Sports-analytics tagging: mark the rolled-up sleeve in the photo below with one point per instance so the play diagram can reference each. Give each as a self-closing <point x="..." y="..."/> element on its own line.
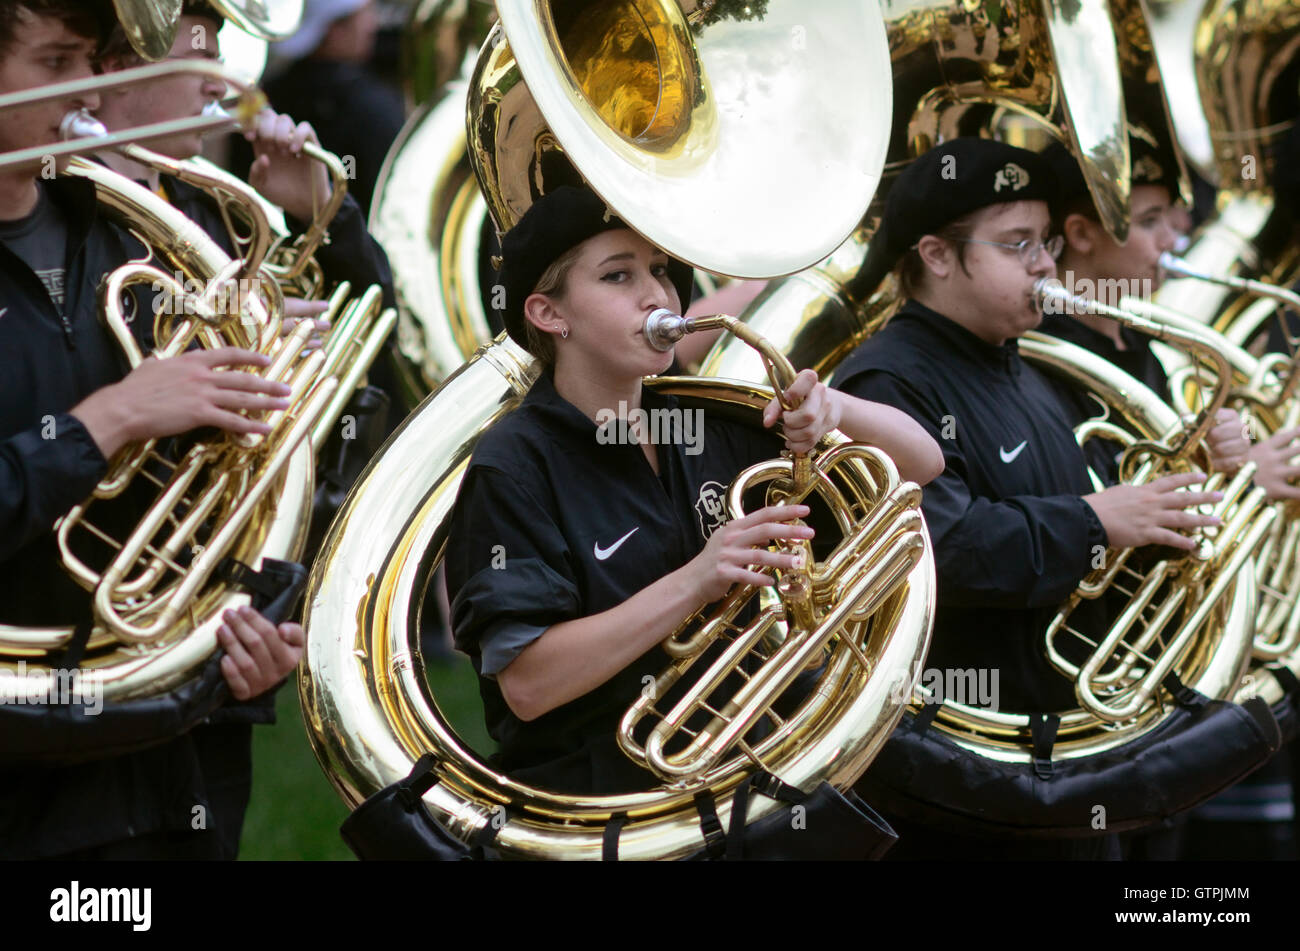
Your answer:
<point x="44" y="472"/>
<point x="509" y="572"/>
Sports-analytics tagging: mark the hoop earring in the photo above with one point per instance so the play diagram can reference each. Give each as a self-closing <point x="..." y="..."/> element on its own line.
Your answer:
<point x="565" y="333"/>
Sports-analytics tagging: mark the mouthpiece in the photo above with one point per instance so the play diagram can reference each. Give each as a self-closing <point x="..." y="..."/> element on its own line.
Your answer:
<point x="1048" y="289"/>
<point x="663" y="328"/>
<point x="1173" y="264"/>
<point x="81" y="125"/>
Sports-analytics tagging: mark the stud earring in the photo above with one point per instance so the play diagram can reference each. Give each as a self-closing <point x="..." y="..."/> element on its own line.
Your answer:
<point x="565" y="333"/>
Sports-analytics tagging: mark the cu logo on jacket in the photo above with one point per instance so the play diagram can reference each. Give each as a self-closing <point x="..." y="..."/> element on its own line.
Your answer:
<point x="710" y="509"/>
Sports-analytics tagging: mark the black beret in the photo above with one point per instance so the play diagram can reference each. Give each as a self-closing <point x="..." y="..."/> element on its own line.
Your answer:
<point x="561" y="219"/>
<point x="954" y="179"/>
<point x="1148" y="168"/>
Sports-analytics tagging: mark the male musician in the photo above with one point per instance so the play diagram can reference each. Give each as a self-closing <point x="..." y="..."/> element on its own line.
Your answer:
<point x="1092" y="261"/>
<point x="1014" y="520"/>
<point x="1255" y="818"/>
<point x="287" y="178"/>
<point x="67" y="404"/>
<point x="280" y="171"/>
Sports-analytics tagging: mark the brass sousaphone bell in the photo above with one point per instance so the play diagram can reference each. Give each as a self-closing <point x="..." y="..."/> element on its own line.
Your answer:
<point x="959" y="69"/>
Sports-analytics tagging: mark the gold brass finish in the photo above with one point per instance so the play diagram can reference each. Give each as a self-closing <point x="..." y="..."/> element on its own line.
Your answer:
<point x="1212" y="663"/>
<point x="428" y="214"/>
<point x="880" y="548"/>
<point x="149" y="25"/>
<point x="1243" y="50"/>
<point x="959" y="69"/>
<point x="1118" y="686"/>
<point x="679" y="119"/>
<point x="1173" y="26"/>
<point x="1053" y="62"/>
<point x="273" y="528"/>
<point x="156" y="608"/>
<point x="368" y="709"/>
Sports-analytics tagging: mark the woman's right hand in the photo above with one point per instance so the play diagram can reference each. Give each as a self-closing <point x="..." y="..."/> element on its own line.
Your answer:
<point x="731" y="550"/>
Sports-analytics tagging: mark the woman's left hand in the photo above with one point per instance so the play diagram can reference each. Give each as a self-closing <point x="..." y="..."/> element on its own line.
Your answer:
<point x="816" y="412"/>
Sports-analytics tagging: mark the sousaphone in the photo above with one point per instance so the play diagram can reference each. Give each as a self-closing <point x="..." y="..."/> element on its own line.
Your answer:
<point x="657" y="106"/>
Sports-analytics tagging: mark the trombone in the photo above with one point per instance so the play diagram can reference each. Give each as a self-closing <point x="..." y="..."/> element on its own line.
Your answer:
<point x="249" y="101"/>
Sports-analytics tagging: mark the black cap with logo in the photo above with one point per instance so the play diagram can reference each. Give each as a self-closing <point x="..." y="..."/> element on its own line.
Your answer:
<point x="560" y="220"/>
<point x="954" y="179"/>
<point x="1148" y="168"/>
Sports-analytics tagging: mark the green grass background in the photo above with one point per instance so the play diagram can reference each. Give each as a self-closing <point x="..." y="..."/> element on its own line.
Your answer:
<point x="294" y="812"/>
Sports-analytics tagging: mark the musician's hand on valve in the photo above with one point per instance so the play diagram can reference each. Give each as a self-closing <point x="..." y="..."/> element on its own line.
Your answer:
<point x="167" y="397"/>
<point x="1152" y="514"/>
<point x="280" y="171"/>
<point x="730" y="551"/>
<point x="1274" y="459"/>
<point x="815" y="413"/>
<point x="296" y="309"/>
<point x="258" y="653"/>
<point x="1229" y="448"/>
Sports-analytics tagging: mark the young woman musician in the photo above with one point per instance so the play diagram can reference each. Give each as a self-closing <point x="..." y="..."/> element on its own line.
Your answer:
<point x="571" y="558"/>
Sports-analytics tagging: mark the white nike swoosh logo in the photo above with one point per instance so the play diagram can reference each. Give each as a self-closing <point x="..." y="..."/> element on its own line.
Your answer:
<point x="603" y="553"/>
<point x="1011" y="456"/>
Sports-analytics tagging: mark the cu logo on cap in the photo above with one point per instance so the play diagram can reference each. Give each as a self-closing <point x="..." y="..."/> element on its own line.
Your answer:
<point x="1148" y="169"/>
<point x="1010" y="176"/>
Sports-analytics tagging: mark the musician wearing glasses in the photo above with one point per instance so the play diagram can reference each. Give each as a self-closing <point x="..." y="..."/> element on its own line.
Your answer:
<point x="67" y="404"/>
<point x="571" y="556"/>
<point x="1014" y="519"/>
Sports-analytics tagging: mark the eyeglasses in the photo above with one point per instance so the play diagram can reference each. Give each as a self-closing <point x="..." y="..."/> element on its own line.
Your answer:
<point x="1029" y="249"/>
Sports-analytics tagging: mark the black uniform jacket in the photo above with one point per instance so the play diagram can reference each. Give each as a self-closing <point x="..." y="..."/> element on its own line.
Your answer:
<point x="48" y="463"/>
<point x="52" y="361"/>
<point x="1012" y="534"/>
<point x="1136" y="359"/>
<point x="551" y="525"/>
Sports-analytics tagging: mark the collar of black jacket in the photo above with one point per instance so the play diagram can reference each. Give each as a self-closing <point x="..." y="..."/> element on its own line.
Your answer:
<point x="544" y="397"/>
<point x="1069" y="327"/>
<point x="1005" y="356"/>
<point x="75" y="198"/>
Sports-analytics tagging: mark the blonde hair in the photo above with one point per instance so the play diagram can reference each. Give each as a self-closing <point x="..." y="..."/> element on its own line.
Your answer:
<point x="539" y="343"/>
